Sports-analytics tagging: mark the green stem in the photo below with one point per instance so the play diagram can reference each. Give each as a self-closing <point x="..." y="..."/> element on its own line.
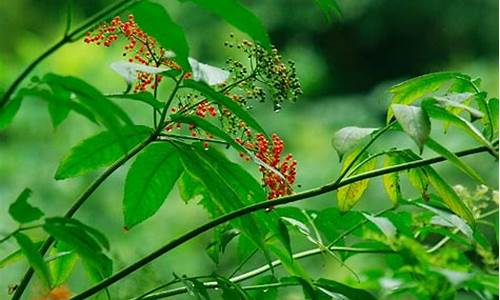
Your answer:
<point x="68" y="38"/>
<point x="77" y="204"/>
<point x="259" y="206"/>
<point x="192" y="138"/>
<point x="304" y="254"/>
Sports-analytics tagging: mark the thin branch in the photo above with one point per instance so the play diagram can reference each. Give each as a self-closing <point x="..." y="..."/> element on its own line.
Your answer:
<point x="304" y="254"/>
<point x="259" y="206"/>
<point x="66" y="39"/>
<point x="77" y="204"/>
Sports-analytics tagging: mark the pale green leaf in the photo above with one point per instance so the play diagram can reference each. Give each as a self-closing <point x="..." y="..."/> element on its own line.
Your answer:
<point x="349" y="195"/>
<point x="414" y="122"/>
<point x="347" y="138"/>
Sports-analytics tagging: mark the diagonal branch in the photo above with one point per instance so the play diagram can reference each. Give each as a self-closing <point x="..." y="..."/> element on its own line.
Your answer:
<point x="67" y="38"/>
<point x="259" y="206"/>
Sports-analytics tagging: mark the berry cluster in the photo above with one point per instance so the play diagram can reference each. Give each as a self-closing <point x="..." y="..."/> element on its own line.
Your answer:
<point x="278" y="182"/>
<point x="268" y="76"/>
<point x="140" y="48"/>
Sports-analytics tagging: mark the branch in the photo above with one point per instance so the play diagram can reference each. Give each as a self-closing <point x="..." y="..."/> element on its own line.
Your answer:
<point x="259" y="206"/>
<point x="214" y="284"/>
<point x="67" y="38"/>
<point x="77" y="204"/>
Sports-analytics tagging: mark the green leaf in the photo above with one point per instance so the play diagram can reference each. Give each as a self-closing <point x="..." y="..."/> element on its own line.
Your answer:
<point x="230" y="290"/>
<point x="35" y="259"/>
<point x="154" y="19"/>
<point x="391" y="180"/>
<point x="264" y="294"/>
<point x="57" y="103"/>
<point x="384" y="224"/>
<point x="22" y="211"/>
<point x="209" y="128"/>
<point x="62" y="266"/>
<point x="100" y="150"/>
<point x="86" y="241"/>
<point x="347" y="138"/>
<point x="437" y="112"/>
<point x="230" y="187"/>
<point x="144" y="97"/>
<point x="443" y="189"/>
<point x="107" y="113"/>
<point x="15" y="256"/>
<point x="493" y="108"/>
<point x="331" y="222"/>
<point x="449" y="220"/>
<point x="411" y="90"/>
<point x="345" y="290"/>
<point x="239" y="16"/>
<point x="450" y="156"/>
<point x="349" y="195"/>
<point x="8" y="113"/>
<point x="414" y="122"/>
<point x="223" y="100"/>
<point x="194" y="287"/>
<point x="149" y="181"/>
<point x="58" y="106"/>
<point x="329" y="8"/>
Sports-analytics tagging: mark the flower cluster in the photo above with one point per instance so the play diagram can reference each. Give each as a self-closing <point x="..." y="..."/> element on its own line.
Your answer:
<point x="140" y="48"/>
<point x="278" y="181"/>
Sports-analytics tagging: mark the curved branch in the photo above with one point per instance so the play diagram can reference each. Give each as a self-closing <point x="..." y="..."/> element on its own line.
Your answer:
<point x="67" y="38"/>
<point x="258" y="206"/>
<point x="77" y="204"/>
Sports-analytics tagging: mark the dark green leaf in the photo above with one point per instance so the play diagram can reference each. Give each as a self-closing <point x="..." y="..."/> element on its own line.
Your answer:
<point x="223" y="100"/>
<point x="8" y="113"/>
<point x="30" y="250"/>
<point x="100" y="150"/>
<point x="84" y="240"/>
<point x="411" y="90"/>
<point x="349" y="195"/>
<point x="107" y="113"/>
<point x="62" y="266"/>
<point x="58" y="100"/>
<point x="154" y="19"/>
<point x="451" y="157"/>
<point x="240" y="17"/>
<point x="15" y="256"/>
<point x="22" y="211"/>
<point x="347" y="138"/>
<point x="414" y="122"/>
<point x="209" y="128"/>
<point x="149" y="181"/>
<point x="230" y="290"/>
<point x="58" y="106"/>
<point x="331" y="222"/>
<point x="264" y="294"/>
<point x="345" y="290"/>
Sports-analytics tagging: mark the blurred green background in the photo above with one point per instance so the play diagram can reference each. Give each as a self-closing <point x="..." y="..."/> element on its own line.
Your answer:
<point x="345" y="67"/>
